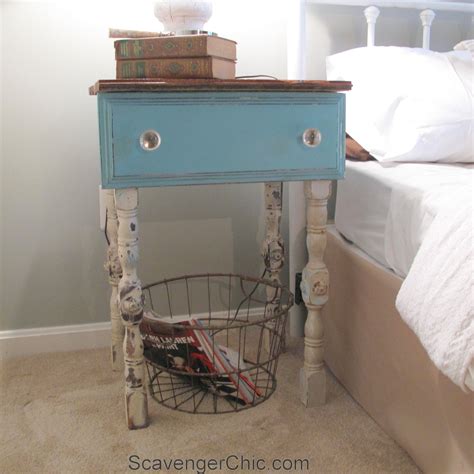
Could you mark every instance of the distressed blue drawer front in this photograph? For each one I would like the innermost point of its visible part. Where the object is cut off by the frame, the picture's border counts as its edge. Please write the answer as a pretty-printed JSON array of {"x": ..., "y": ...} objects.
[{"x": 220, "y": 137}]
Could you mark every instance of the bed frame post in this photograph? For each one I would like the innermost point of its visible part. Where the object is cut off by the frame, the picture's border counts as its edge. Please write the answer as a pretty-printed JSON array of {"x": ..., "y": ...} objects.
[
  {"x": 427, "y": 17},
  {"x": 371, "y": 15},
  {"x": 314, "y": 289}
]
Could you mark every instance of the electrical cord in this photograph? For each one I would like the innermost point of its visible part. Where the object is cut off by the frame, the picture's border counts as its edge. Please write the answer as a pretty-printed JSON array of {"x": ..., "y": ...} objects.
[
  {"x": 256, "y": 76},
  {"x": 105, "y": 228}
]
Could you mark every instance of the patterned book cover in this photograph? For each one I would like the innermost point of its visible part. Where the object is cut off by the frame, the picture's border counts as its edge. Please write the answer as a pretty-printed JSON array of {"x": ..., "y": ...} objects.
[
  {"x": 175, "y": 47},
  {"x": 206, "y": 67}
]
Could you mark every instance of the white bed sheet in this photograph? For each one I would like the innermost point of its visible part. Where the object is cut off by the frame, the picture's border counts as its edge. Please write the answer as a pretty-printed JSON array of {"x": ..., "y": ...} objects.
[{"x": 368, "y": 210}]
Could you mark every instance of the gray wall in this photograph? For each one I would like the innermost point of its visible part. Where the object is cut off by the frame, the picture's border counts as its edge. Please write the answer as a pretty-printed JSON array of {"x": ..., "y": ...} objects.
[
  {"x": 51, "y": 247},
  {"x": 52, "y": 250}
]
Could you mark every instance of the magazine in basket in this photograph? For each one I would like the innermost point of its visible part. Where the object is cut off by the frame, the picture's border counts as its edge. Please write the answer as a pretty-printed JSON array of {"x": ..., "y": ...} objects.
[{"x": 185, "y": 347}]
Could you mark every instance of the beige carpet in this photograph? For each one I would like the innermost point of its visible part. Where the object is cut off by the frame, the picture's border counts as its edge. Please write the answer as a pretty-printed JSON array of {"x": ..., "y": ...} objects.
[{"x": 63, "y": 413}]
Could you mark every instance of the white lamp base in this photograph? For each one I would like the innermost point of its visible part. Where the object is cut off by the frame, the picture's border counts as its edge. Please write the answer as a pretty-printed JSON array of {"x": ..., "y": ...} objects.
[{"x": 184, "y": 16}]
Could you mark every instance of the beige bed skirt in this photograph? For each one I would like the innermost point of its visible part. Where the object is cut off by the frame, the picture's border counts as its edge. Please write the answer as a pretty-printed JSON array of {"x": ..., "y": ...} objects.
[{"x": 382, "y": 364}]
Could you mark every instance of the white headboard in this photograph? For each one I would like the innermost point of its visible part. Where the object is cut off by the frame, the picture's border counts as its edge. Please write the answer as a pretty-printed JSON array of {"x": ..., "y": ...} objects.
[
  {"x": 413, "y": 4},
  {"x": 373, "y": 9}
]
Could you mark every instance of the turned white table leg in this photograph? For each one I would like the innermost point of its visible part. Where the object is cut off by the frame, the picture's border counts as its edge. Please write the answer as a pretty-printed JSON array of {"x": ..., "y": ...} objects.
[
  {"x": 131, "y": 308},
  {"x": 273, "y": 251},
  {"x": 314, "y": 288},
  {"x": 114, "y": 269}
]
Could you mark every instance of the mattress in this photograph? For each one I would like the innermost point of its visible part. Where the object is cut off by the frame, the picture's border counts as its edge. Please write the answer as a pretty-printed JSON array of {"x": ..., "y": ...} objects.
[{"x": 386, "y": 208}]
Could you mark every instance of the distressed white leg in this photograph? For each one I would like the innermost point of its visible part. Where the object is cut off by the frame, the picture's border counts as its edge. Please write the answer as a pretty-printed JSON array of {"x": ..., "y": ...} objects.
[
  {"x": 131, "y": 308},
  {"x": 114, "y": 269},
  {"x": 314, "y": 288},
  {"x": 273, "y": 251}
]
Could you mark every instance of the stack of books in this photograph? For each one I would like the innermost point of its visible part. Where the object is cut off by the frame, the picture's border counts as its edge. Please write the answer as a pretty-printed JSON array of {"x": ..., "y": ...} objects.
[{"x": 184, "y": 57}]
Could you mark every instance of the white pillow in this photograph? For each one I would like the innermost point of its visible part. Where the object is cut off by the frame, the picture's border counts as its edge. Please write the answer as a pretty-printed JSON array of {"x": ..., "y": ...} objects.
[
  {"x": 408, "y": 104},
  {"x": 466, "y": 45}
]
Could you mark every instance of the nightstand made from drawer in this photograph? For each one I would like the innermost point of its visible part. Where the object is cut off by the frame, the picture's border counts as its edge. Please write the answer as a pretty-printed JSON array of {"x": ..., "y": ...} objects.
[{"x": 184, "y": 132}]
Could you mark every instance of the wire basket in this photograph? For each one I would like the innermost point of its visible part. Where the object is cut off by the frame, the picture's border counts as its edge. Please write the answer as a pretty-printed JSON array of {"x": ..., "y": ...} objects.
[{"x": 212, "y": 341}]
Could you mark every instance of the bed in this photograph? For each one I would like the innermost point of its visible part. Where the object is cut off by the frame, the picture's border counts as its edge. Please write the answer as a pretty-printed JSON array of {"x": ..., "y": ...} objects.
[
  {"x": 391, "y": 226},
  {"x": 369, "y": 347}
]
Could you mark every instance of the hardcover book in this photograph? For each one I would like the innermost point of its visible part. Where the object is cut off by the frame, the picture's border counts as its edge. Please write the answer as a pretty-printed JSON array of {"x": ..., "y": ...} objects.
[
  {"x": 175, "y": 47},
  {"x": 204, "y": 68}
]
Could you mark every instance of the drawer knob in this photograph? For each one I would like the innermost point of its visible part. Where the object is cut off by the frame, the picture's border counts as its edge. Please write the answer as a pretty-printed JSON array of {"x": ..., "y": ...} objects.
[
  {"x": 150, "y": 140},
  {"x": 312, "y": 137}
]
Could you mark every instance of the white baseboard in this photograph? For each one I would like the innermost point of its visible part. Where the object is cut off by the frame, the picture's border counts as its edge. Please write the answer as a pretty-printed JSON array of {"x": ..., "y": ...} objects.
[{"x": 25, "y": 342}]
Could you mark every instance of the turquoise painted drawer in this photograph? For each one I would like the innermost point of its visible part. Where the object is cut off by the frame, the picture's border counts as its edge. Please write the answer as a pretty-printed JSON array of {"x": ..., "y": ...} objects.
[{"x": 219, "y": 137}]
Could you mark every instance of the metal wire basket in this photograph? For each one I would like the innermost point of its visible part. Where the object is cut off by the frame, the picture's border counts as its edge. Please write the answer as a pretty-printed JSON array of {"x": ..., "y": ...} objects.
[{"x": 212, "y": 341}]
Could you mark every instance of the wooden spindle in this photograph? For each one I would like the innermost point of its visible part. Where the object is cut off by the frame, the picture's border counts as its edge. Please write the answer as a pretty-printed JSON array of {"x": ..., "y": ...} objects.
[
  {"x": 273, "y": 251},
  {"x": 314, "y": 289},
  {"x": 131, "y": 308},
  {"x": 114, "y": 270}
]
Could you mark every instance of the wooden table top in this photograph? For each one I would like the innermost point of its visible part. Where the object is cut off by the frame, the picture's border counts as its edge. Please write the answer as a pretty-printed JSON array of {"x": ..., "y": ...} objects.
[{"x": 173, "y": 85}]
